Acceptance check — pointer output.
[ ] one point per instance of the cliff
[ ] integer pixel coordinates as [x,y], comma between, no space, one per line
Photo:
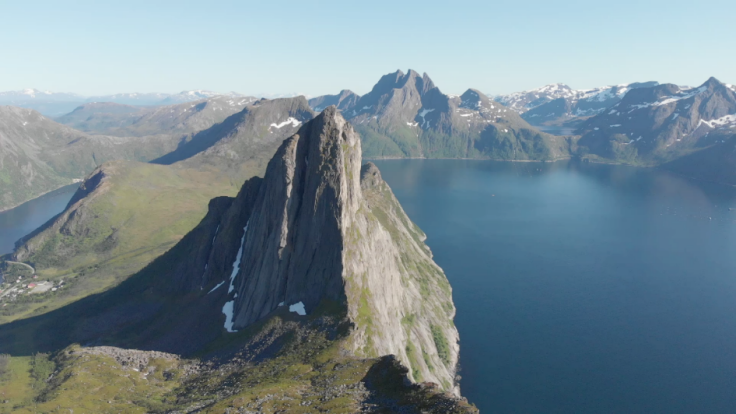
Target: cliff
[323,229]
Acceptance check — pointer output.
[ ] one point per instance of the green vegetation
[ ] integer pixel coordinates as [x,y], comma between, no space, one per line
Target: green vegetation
[443,349]
[310,373]
[41,369]
[139,212]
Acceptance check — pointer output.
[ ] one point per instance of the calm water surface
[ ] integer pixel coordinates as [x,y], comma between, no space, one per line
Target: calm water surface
[25,218]
[582,288]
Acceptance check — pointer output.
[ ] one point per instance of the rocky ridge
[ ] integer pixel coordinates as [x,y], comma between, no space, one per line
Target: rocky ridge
[580,104]
[659,124]
[242,144]
[344,100]
[177,119]
[323,231]
[406,115]
[39,155]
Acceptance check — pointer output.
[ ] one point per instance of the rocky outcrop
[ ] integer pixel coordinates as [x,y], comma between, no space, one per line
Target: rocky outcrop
[322,230]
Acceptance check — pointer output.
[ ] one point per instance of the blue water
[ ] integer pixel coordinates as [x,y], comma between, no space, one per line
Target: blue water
[582,288]
[25,218]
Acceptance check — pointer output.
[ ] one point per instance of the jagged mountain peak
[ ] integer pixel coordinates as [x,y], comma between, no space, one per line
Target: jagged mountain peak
[399,80]
[473,99]
[319,229]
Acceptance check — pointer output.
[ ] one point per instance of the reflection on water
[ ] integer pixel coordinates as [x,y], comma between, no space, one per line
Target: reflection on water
[25,218]
[582,287]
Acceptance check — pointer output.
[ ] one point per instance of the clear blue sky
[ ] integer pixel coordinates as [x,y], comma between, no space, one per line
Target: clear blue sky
[317,47]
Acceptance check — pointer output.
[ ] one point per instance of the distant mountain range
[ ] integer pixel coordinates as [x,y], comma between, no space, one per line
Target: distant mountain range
[559,104]
[159,99]
[56,104]
[406,115]
[126,120]
[38,155]
[659,124]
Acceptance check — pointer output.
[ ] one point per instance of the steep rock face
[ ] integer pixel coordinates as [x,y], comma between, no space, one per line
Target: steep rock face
[323,231]
[293,246]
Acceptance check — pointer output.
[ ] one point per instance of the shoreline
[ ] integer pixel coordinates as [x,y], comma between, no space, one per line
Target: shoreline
[466,159]
[654,167]
[36,197]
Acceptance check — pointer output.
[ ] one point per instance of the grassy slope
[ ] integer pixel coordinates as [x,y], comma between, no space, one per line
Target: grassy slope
[146,210]
[509,139]
[310,373]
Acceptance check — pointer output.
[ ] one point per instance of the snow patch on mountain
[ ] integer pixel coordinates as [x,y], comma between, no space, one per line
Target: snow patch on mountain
[227,309]
[423,113]
[666,100]
[236,264]
[293,121]
[298,308]
[722,121]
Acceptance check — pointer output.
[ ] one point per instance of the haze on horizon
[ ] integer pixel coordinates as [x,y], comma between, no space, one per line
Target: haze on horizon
[323,47]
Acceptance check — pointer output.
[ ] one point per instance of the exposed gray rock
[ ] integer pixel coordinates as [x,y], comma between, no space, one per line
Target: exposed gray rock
[320,233]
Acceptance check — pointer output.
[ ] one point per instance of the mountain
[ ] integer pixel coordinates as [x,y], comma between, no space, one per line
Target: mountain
[45,102]
[310,288]
[124,215]
[579,104]
[179,119]
[323,229]
[38,155]
[160,99]
[54,104]
[191,96]
[406,115]
[43,155]
[654,125]
[344,100]
[242,144]
[524,101]
[133,99]
[102,117]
